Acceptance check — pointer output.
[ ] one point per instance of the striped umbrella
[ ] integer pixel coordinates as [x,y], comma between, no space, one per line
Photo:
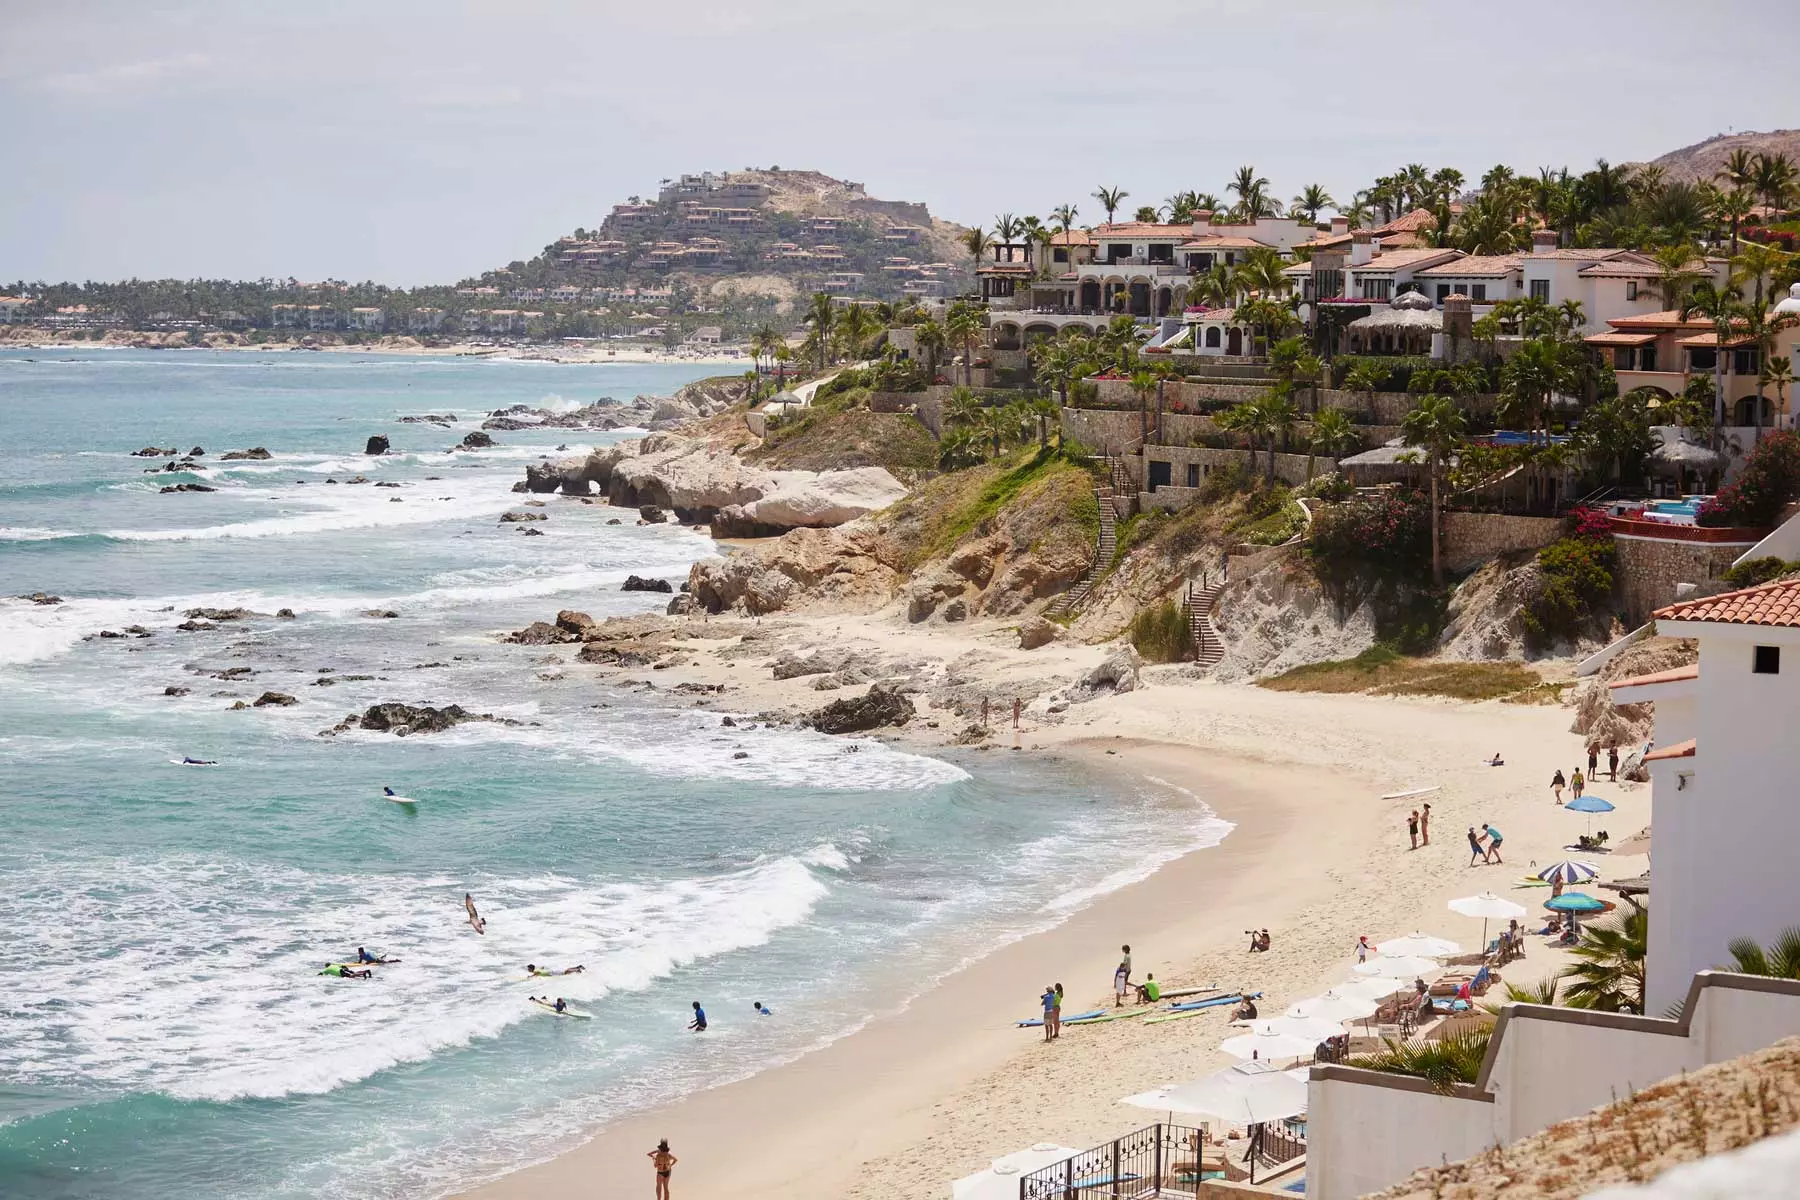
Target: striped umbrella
[1569,871]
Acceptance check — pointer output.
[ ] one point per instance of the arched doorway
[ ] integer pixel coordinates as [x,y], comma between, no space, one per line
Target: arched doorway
[1744,412]
[1165,299]
[1090,295]
[1006,336]
[1234,341]
[1140,299]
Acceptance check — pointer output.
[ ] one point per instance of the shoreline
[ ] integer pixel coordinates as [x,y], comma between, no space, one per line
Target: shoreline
[548,354]
[918,1097]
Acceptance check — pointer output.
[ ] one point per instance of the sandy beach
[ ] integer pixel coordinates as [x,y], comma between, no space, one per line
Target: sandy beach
[24,338]
[935,1090]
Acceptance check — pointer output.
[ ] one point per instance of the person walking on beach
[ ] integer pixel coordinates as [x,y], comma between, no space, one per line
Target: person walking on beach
[1475,850]
[1576,783]
[1425,825]
[1557,784]
[1593,759]
[1612,764]
[1362,948]
[984,712]
[1493,840]
[1122,977]
[1412,829]
[664,1162]
[1016,707]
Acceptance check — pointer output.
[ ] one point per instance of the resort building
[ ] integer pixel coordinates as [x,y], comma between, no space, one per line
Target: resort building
[14,308]
[367,320]
[425,320]
[1607,283]
[1660,351]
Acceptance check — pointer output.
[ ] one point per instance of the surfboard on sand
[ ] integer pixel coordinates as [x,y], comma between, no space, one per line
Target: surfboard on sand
[1038,1022]
[1414,792]
[550,1006]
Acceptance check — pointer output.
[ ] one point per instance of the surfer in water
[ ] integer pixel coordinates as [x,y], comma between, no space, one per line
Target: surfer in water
[363,956]
[340,971]
[188,761]
[534,969]
[475,921]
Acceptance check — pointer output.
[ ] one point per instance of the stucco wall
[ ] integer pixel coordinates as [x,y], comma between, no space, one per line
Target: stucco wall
[1362,1138]
[1289,468]
[1472,538]
[1649,569]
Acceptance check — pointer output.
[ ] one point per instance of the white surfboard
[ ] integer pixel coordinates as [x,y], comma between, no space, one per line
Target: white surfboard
[182,762]
[1414,792]
[550,1007]
[400,799]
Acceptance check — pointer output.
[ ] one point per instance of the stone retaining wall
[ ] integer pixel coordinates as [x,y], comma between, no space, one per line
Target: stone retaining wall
[1470,539]
[1651,567]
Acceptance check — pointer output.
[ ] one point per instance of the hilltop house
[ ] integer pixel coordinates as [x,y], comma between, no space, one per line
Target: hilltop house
[14,308]
[367,320]
[1660,351]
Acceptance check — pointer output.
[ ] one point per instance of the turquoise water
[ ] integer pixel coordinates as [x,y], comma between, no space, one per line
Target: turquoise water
[162,1027]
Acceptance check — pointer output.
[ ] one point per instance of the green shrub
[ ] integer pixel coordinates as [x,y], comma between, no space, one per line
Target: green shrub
[1160,633]
[1771,478]
[1398,369]
[1753,571]
[1388,534]
[1232,479]
[1577,577]
[1329,486]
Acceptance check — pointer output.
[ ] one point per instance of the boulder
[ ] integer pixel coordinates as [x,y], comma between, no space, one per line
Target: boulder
[879,706]
[682,605]
[637,583]
[386,483]
[404,719]
[475,439]
[575,623]
[1036,631]
[789,665]
[652,514]
[274,699]
[518,515]
[186,487]
[429,419]
[384,614]
[538,633]
[378,444]
[531,531]
[174,690]
[195,626]
[1117,673]
[197,452]
[255,453]
[957,610]
[286,614]
[154,452]
[40,598]
[219,614]
[739,582]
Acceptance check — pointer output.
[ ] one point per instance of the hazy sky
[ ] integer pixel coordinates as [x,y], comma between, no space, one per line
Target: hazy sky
[422,140]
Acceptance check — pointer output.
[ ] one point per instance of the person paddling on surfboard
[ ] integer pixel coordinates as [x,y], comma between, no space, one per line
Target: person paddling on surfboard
[340,971]
[363,956]
[544,972]
[188,761]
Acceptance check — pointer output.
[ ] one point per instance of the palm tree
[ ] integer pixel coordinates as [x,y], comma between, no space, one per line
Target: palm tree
[1781,960]
[929,336]
[962,325]
[1037,236]
[1064,216]
[1733,207]
[1758,264]
[1217,287]
[1311,199]
[1241,418]
[1056,363]
[1261,272]
[1365,378]
[1677,271]
[1723,309]
[1570,316]
[1436,426]
[1143,386]
[1276,417]
[1443,1063]
[976,242]
[1775,181]
[1332,435]
[1487,227]
[1043,410]
[1146,215]
[1006,227]
[1777,372]
[998,424]
[1608,971]
[1110,199]
[763,343]
[1253,194]
[854,325]
[1739,170]
[822,316]
[962,407]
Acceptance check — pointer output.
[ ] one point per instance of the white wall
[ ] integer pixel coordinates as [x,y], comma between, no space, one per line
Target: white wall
[1362,1138]
[1548,1071]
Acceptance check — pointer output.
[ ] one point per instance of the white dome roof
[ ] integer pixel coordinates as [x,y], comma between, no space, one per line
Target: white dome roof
[1792,303]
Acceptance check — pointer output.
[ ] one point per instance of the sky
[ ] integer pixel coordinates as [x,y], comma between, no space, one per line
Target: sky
[422,141]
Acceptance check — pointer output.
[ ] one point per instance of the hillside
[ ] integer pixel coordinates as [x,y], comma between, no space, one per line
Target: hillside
[1702,160]
[775,234]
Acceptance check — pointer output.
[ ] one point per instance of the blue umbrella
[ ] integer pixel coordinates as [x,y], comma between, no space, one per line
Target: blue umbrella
[1589,805]
[1575,902]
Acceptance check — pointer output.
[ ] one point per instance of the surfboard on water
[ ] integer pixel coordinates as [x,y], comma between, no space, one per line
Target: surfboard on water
[357,966]
[1037,1022]
[182,762]
[1414,792]
[550,1007]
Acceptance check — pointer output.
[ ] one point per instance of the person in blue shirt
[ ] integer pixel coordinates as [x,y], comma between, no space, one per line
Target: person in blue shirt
[760,1010]
[698,1024]
[1048,1000]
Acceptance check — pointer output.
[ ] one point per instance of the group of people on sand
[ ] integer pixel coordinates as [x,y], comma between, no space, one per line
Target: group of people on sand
[1488,853]
[1577,782]
[1418,826]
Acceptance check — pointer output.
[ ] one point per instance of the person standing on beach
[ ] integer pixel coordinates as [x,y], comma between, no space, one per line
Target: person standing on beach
[1612,764]
[664,1162]
[1576,783]
[1412,829]
[1475,850]
[1425,825]
[1048,1000]
[1058,1010]
[1122,977]
[984,712]
[1557,784]
[1016,707]
[1493,840]
[1593,759]
[1362,948]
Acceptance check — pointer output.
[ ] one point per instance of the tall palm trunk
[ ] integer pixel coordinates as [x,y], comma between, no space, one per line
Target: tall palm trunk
[1437,554]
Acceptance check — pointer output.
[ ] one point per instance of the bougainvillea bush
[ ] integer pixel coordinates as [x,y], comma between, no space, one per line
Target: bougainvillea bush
[1770,479]
[1576,578]
[1389,533]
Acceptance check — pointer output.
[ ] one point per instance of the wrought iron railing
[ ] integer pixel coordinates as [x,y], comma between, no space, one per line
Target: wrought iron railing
[1156,1160]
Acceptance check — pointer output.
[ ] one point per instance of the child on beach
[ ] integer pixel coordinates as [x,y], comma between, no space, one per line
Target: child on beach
[1576,783]
[1363,948]
[664,1162]
[1122,977]
[1475,850]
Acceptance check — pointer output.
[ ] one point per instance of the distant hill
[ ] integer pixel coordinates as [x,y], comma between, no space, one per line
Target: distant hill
[772,233]
[1702,160]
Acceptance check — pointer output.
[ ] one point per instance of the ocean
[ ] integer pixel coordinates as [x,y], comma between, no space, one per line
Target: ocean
[163,1027]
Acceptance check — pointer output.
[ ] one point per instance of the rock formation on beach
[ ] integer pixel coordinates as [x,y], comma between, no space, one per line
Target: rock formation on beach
[254,454]
[702,398]
[403,720]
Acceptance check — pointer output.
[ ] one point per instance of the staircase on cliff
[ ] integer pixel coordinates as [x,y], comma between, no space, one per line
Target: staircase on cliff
[1110,494]
[1200,602]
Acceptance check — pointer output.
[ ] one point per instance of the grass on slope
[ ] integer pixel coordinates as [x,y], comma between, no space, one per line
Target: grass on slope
[854,437]
[1383,671]
[956,505]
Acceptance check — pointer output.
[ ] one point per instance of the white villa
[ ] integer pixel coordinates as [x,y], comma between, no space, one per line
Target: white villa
[1722,774]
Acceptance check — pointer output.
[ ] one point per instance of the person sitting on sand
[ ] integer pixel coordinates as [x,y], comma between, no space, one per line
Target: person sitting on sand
[1496,761]
[1149,991]
[1262,941]
[340,971]
[1246,1009]
[698,1024]
[664,1162]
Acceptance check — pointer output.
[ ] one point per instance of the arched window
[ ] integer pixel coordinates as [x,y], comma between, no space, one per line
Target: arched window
[1212,337]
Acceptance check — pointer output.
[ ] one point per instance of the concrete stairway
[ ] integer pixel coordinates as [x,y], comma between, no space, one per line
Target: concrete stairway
[1105,545]
[1208,649]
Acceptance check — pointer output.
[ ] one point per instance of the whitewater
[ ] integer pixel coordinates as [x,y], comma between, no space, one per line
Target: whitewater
[163,1026]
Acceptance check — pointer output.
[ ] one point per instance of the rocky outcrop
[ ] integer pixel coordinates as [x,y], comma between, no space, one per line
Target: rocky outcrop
[518,515]
[274,700]
[377,444]
[880,706]
[403,720]
[44,598]
[185,487]
[1037,631]
[476,440]
[637,583]
[254,454]
[153,452]
[651,514]
[220,614]
[429,419]
[1118,672]
[850,570]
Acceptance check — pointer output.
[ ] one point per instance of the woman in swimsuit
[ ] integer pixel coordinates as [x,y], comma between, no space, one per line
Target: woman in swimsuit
[664,1162]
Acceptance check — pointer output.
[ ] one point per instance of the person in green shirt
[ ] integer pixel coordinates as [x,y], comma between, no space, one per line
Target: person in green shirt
[1149,991]
[340,971]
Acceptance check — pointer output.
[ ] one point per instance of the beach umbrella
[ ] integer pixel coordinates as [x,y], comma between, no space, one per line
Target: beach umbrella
[1577,902]
[1375,988]
[1588,806]
[1001,1180]
[1569,871]
[1418,945]
[1245,1094]
[1399,968]
[1266,1046]
[1339,1004]
[1315,1029]
[1488,907]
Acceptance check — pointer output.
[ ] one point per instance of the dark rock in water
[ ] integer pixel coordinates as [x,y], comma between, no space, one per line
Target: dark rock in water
[230,673]
[186,487]
[195,626]
[385,614]
[519,486]
[137,631]
[538,633]
[275,700]
[531,532]
[475,439]
[573,622]
[377,444]
[637,583]
[219,614]
[880,706]
[386,483]
[239,705]
[612,656]
[430,419]
[615,521]
[286,613]
[404,719]
[173,690]
[154,452]
[686,586]
[357,479]
[109,633]
[517,515]
[256,453]
[741,754]
[41,598]
[197,452]
[652,514]
[728,722]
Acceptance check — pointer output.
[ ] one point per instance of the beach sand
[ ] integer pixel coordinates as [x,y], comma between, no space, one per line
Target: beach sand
[921,1096]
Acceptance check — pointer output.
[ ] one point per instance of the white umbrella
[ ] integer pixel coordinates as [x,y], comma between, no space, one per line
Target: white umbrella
[1399,968]
[1376,988]
[1418,945]
[1245,1094]
[1316,1029]
[1339,1004]
[1488,907]
[1001,1180]
[1269,1045]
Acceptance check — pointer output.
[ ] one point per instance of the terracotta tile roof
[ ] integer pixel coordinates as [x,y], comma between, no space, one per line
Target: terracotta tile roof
[1773,604]
[1413,222]
[1299,268]
[1673,675]
[1623,268]
[1004,268]
[1710,339]
[1685,749]
[1667,319]
[1221,242]
[1075,237]
[1142,229]
[1616,338]
[1482,265]
[1586,253]
[1399,259]
[1400,241]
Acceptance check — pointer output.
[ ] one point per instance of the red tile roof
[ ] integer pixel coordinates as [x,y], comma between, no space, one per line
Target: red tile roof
[1221,242]
[1075,237]
[1395,260]
[1710,339]
[1476,265]
[1143,229]
[1773,604]
[1673,675]
[1685,749]
[1667,319]
[1589,253]
[1617,338]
